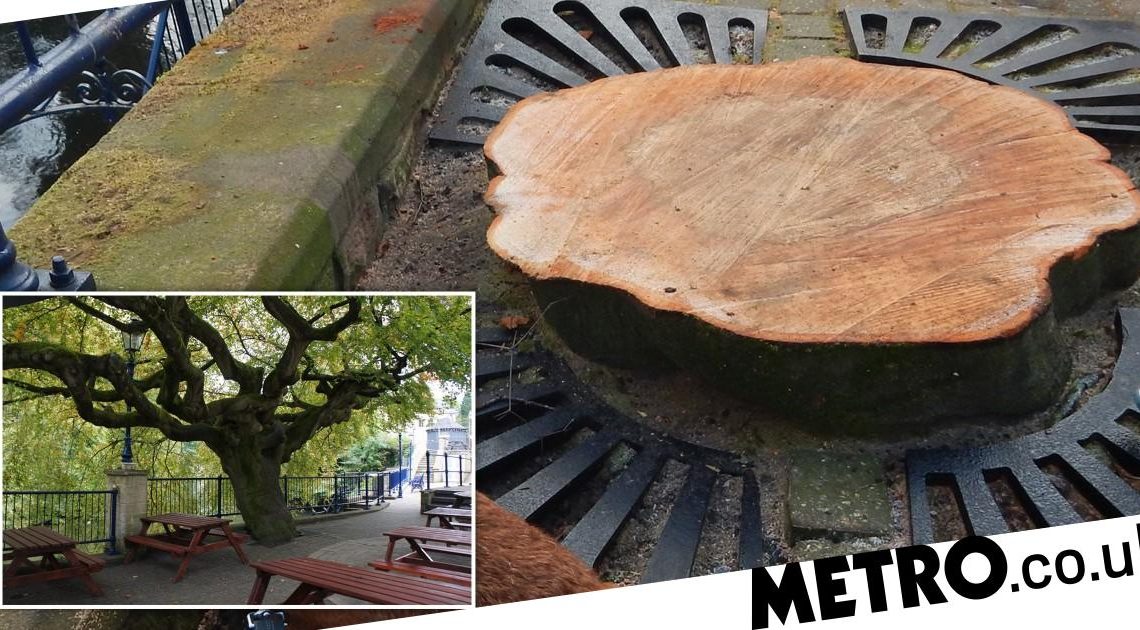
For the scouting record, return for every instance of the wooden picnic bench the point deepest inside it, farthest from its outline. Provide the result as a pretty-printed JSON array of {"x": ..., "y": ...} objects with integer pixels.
[
  {"x": 322, "y": 578},
  {"x": 447, "y": 517},
  {"x": 420, "y": 539},
  {"x": 185, "y": 536},
  {"x": 454, "y": 576},
  {"x": 24, "y": 543}
]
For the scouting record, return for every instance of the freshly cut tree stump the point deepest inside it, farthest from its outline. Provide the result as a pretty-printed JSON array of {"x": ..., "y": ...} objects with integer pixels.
[{"x": 842, "y": 240}]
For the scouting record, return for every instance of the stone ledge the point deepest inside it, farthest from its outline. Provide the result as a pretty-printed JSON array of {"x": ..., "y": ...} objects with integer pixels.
[{"x": 265, "y": 159}]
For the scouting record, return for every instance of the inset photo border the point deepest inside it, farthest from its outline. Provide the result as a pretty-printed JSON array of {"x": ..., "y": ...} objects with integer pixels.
[{"x": 223, "y": 450}]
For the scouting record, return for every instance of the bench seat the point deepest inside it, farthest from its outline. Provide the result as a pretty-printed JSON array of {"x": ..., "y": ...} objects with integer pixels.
[
  {"x": 424, "y": 571},
  {"x": 321, "y": 578},
  {"x": 459, "y": 551}
]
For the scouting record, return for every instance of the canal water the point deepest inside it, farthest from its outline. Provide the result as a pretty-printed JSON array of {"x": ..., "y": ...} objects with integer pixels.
[{"x": 34, "y": 154}]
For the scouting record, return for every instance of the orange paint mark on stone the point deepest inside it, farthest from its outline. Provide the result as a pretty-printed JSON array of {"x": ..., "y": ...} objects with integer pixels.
[{"x": 397, "y": 18}]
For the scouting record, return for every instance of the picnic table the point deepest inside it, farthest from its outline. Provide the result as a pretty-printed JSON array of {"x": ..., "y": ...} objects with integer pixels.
[
  {"x": 456, "y": 496},
  {"x": 24, "y": 543},
  {"x": 321, "y": 578},
  {"x": 185, "y": 536},
  {"x": 447, "y": 515},
  {"x": 421, "y": 538}
]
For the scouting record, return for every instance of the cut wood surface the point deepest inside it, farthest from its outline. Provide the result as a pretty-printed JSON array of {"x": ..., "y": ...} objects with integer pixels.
[
  {"x": 827, "y": 235},
  {"x": 821, "y": 200}
]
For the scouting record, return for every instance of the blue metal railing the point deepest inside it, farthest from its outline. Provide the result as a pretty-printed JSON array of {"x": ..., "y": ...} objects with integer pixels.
[
  {"x": 397, "y": 477},
  {"x": 82, "y": 57},
  {"x": 86, "y": 516}
]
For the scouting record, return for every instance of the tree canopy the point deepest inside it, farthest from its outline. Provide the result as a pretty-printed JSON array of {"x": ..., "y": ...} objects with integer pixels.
[{"x": 296, "y": 380}]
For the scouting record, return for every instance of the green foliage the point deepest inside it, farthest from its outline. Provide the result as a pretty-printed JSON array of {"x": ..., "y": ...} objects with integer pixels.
[
  {"x": 48, "y": 446},
  {"x": 377, "y": 452}
]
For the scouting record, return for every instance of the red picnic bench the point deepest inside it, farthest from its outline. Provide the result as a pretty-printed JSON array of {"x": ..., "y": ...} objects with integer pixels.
[
  {"x": 447, "y": 517},
  {"x": 24, "y": 543},
  {"x": 454, "y": 576},
  {"x": 322, "y": 578},
  {"x": 420, "y": 539},
  {"x": 185, "y": 536}
]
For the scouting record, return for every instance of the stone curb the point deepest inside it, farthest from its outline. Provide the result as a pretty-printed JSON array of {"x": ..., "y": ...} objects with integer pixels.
[{"x": 266, "y": 159}]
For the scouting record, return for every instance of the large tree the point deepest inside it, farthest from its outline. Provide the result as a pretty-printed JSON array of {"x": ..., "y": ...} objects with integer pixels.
[{"x": 252, "y": 379}]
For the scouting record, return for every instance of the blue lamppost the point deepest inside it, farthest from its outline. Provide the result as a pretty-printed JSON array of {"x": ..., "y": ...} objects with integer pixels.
[
  {"x": 400, "y": 461},
  {"x": 16, "y": 276},
  {"x": 132, "y": 343}
]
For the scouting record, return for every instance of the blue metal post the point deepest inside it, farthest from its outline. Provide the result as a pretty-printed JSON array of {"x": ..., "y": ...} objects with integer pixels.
[
  {"x": 400, "y": 461},
  {"x": 28, "y": 46},
  {"x": 14, "y": 275},
  {"x": 156, "y": 46}
]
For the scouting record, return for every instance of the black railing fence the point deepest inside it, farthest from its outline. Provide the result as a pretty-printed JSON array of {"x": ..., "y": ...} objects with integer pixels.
[
  {"x": 214, "y": 496},
  {"x": 86, "y": 516},
  {"x": 204, "y": 496},
  {"x": 446, "y": 469},
  {"x": 188, "y": 22}
]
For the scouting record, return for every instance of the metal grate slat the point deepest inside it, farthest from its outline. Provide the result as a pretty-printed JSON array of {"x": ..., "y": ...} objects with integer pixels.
[
  {"x": 493, "y": 44},
  {"x": 1047, "y": 502},
  {"x": 520, "y": 396},
  {"x": 509, "y": 443},
  {"x": 488, "y": 367},
  {"x": 752, "y": 544},
  {"x": 1030, "y": 59},
  {"x": 593, "y": 534},
  {"x": 1062, "y": 444},
  {"x": 533, "y": 494},
  {"x": 596, "y": 521},
  {"x": 677, "y": 549}
]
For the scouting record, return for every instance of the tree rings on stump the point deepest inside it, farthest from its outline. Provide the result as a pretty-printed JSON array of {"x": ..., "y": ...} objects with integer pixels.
[{"x": 840, "y": 240}]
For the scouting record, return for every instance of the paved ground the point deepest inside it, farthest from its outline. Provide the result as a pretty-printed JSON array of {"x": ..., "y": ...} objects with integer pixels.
[
  {"x": 354, "y": 538},
  {"x": 803, "y": 28}
]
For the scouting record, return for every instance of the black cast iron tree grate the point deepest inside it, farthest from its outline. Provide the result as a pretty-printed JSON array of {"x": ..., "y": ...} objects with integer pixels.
[
  {"x": 1085, "y": 467},
  {"x": 1089, "y": 67},
  {"x": 524, "y": 47},
  {"x": 517, "y": 416}
]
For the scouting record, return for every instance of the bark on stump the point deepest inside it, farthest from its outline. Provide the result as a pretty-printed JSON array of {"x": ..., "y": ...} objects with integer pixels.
[{"x": 840, "y": 240}]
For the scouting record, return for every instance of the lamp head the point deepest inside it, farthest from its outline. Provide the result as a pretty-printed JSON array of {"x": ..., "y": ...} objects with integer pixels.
[{"x": 133, "y": 336}]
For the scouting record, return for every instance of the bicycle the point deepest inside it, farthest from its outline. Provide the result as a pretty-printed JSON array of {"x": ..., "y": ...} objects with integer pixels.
[
  {"x": 325, "y": 504},
  {"x": 298, "y": 504}
]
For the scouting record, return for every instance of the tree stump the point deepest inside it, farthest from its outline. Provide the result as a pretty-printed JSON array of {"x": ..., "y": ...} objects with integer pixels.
[{"x": 841, "y": 240}]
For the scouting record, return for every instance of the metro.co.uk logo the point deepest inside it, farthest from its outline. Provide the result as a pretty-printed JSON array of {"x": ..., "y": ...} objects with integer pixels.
[{"x": 973, "y": 568}]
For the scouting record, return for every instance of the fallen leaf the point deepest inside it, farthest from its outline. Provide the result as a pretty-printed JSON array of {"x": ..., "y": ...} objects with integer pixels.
[{"x": 511, "y": 322}]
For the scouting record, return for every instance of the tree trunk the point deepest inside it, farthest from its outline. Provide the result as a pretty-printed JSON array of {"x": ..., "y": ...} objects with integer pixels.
[
  {"x": 256, "y": 478},
  {"x": 836, "y": 239}
]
